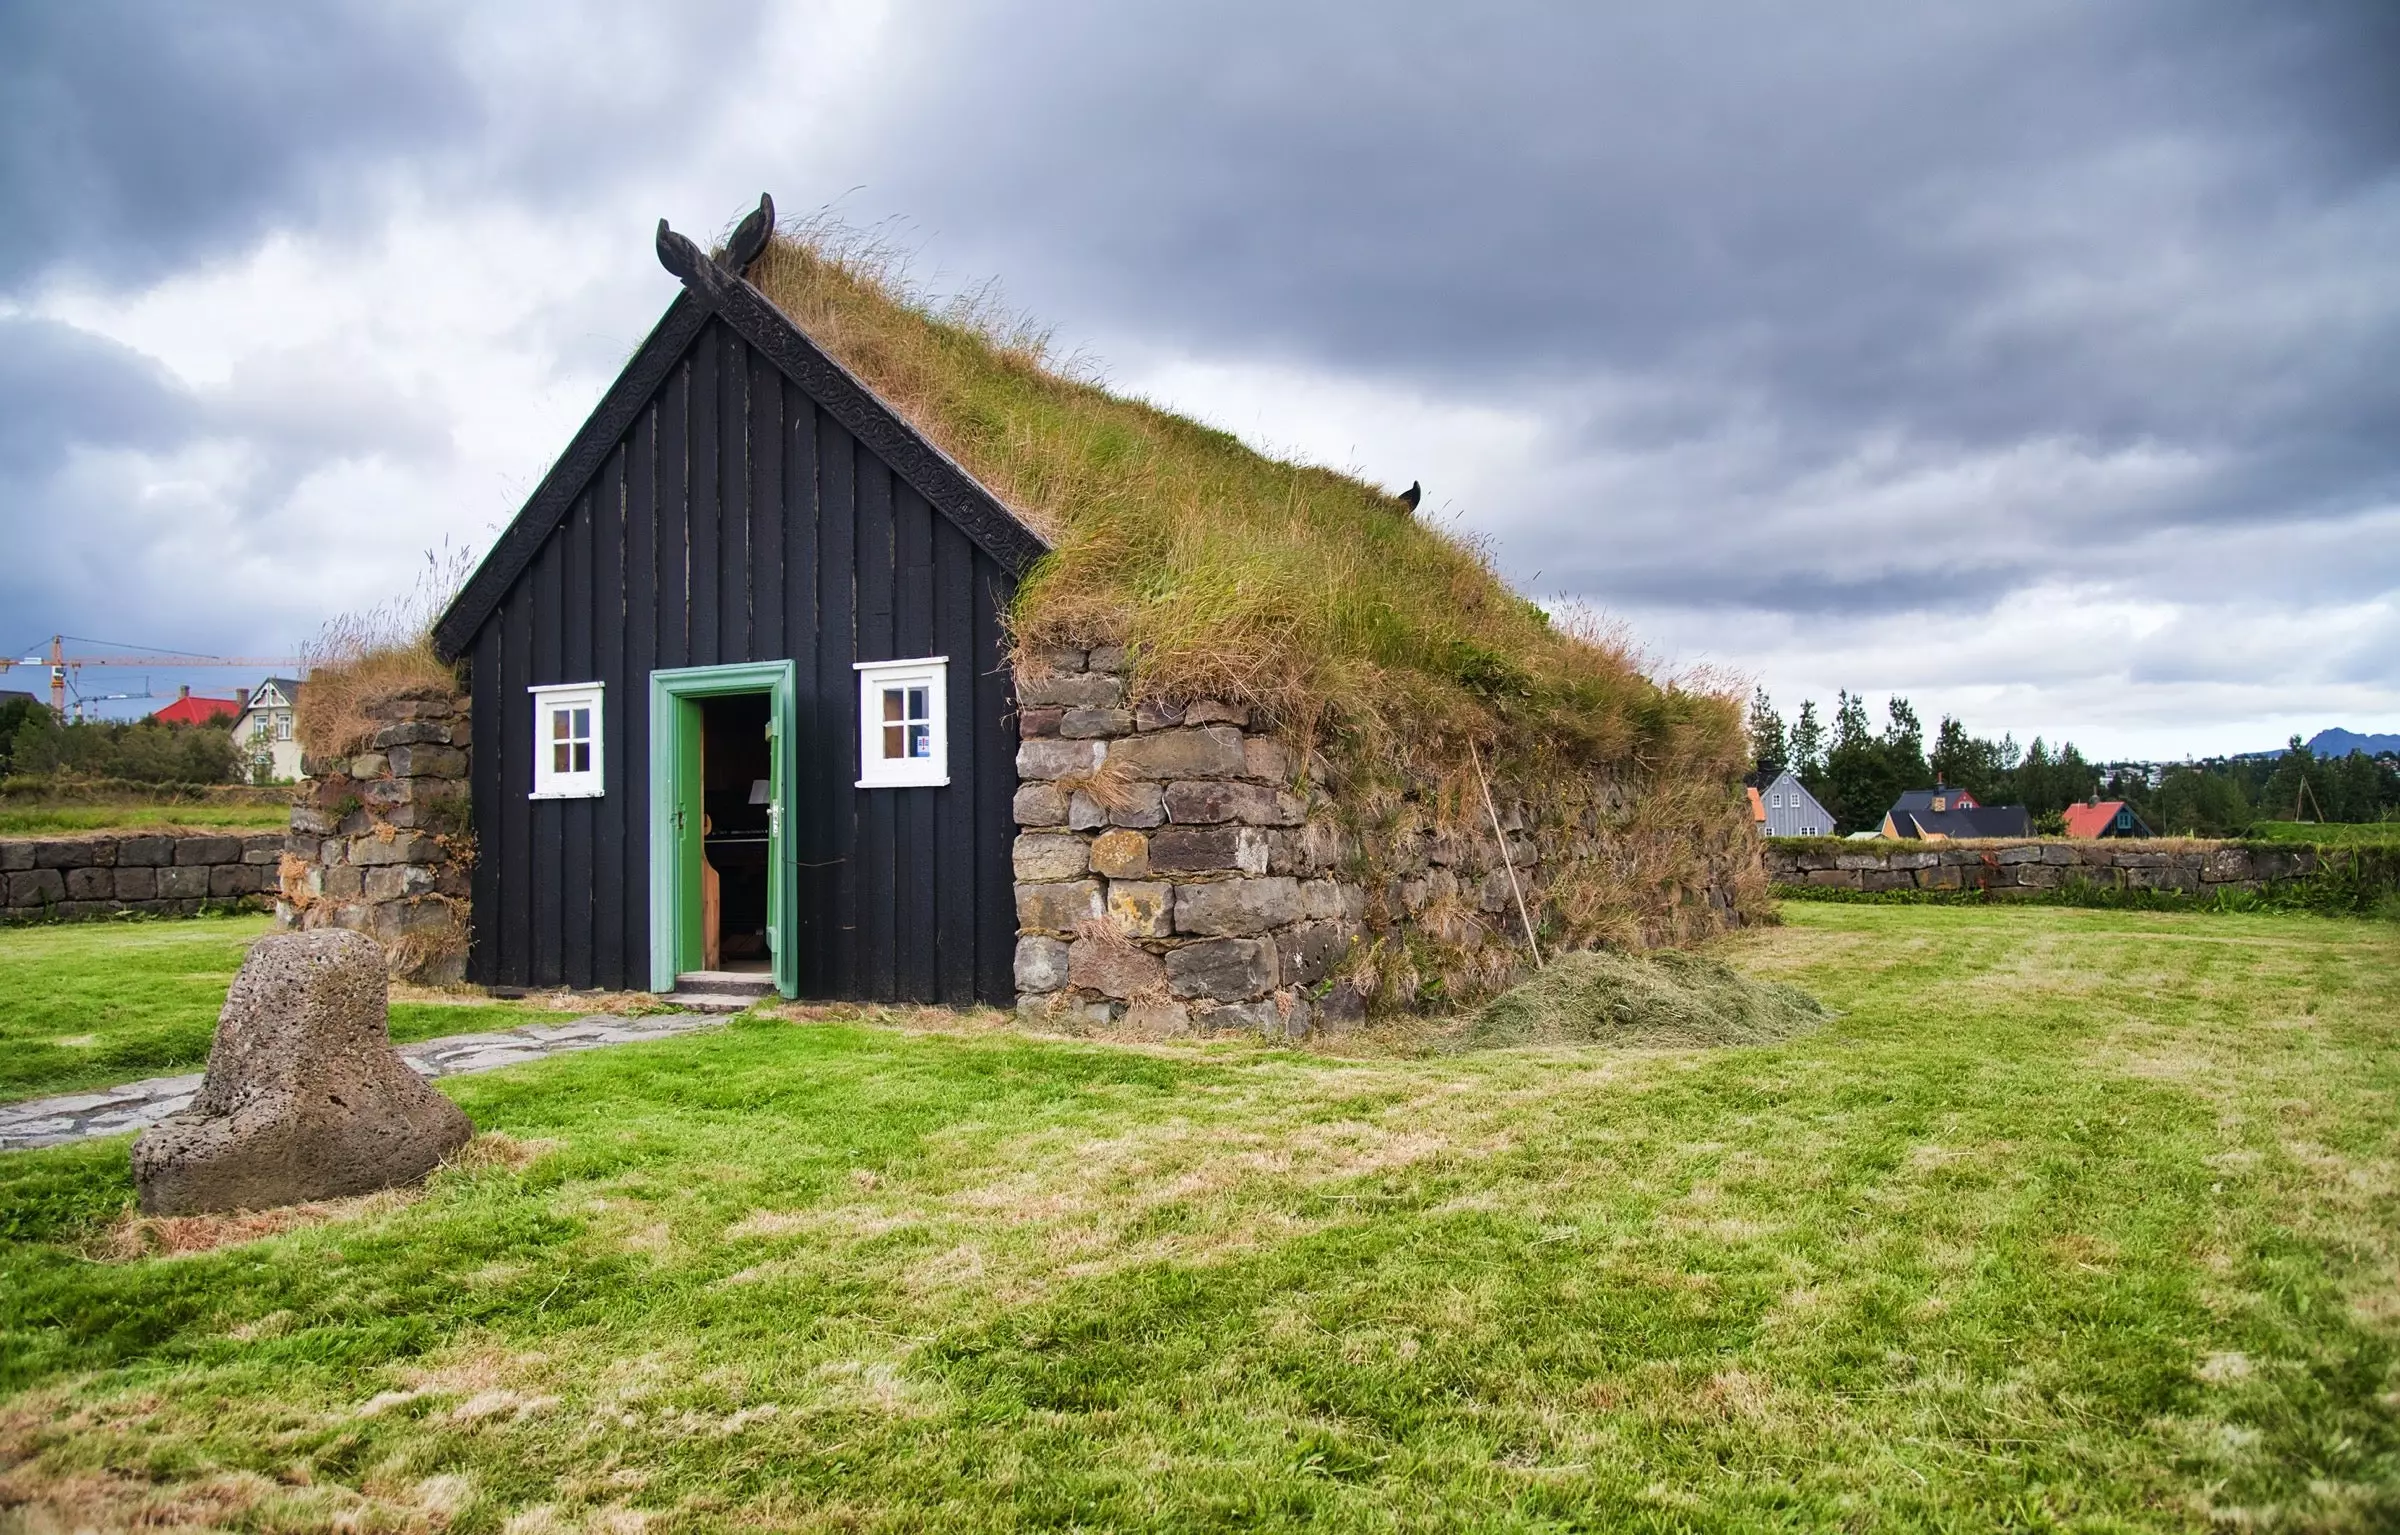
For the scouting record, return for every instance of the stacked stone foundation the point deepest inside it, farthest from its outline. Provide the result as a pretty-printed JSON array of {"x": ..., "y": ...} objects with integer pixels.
[
  {"x": 380, "y": 843},
  {"x": 1177, "y": 872},
  {"x": 165, "y": 875}
]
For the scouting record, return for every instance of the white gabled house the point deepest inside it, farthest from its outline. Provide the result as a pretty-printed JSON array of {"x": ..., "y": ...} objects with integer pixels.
[{"x": 263, "y": 733}]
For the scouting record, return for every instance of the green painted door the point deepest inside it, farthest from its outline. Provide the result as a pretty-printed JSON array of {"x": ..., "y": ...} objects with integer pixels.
[{"x": 690, "y": 815}]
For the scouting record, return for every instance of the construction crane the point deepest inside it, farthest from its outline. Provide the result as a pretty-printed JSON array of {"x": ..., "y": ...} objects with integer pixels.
[{"x": 59, "y": 661}]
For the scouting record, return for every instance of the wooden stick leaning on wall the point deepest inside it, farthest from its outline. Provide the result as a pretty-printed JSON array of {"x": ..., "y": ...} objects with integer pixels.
[{"x": 1506, "y": 862}]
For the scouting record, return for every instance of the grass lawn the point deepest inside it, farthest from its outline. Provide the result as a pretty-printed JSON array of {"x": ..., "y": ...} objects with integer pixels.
[
  {"x": 2074, "y": 1220},
  {"x": 90, "y": 1004},
  {"x": 76, "y": 820},
  {"x": 2330, "y": 833}
]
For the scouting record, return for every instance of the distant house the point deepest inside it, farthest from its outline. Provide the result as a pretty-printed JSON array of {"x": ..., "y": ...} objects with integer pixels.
[
  {"x": 1941, "y": 813},
  {"x": 2105, "y": 818},
  {"x": 199, "y": 709},
  {"x": 263, "y": 733},
  {"x": 1783, "y": 808}
]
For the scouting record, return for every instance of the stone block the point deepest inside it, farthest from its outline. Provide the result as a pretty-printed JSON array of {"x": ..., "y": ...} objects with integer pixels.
[
  {"x": 203, "y": 850},
  {"x": 400, "y": 847},
  {"x": 1095, "y": 724},
  {"x": 397, "y": 881},
  {"x": 1208, "y": 850},
  {"x": 1343, "y": 1006},
  {"x": 59, "y": 855},
  {"x": 37, "y": 887},
  {"x": 1060, "y": 658},
  {"x": 1112, "y": 967},
  {"x": 1032, "y": 723},
  {"x": 1039, "y": 804},
  {"x": 1058, "y": 907},
  {"x": 1939, "y": 877},
  {"x": 1844, "y": 878},
  {"x": 1237, "y": 908},
  {"x": 1253, "y": 804},
  {"x": 1212, "y": 751},
  {"x": 2018, "y": 852},
  {"x": 1085, "y": 812},
  {"x": 1053, "y": 758},
  {"x": 1107, "y": 658},
  {"x": 91, "y": 884},
  {"x": 1913, "y": 861},
  {"x": 1216, "y": 711},
  {"x": 15, "y": 857},
  {"x": 346, "y": 883},
  {"x": 2227, "y": 865},
  {"x": 183, "y": 881},
  {"x": 428, "y": 762},
  {"x": 1141, "y": 908},
  {"x": 1266, "y": 758},
  {"x": 1121, "y": 854},
  {"x": 1223, "y": 969},
  {"x": 1240, "y": 1018},
  {"x": 229, "y": 880},
  {"x": 304, "y": 1098},
  {"x": 1138, "y": 805},
  {"x": 408, "y": 733},
  {"x": 2058, "y": 852},
  {"x": 135, "y": 884},
  {"x": 1152, "y": 1019},
  {"x": 1073, "y": 690},
  {"x": 1858, "y": 863},
  {"x": 1050, "y": 855},
  {"x": 1157, "y": 714},
  {"x": 370, "y": 765},
  {"x": 1041, "y": 964},
  {"x": 1311, "y": 950}
]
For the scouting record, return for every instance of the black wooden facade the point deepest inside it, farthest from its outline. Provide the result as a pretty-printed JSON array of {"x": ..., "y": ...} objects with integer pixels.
[{"x": 739, "y": 497}]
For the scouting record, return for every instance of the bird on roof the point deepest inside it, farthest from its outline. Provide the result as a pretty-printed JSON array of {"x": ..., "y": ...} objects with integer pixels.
[{"x": 1411, "y": 496}]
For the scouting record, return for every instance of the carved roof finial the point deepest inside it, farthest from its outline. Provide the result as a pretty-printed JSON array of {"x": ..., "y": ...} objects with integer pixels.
[{"x": 750, "y": 236}]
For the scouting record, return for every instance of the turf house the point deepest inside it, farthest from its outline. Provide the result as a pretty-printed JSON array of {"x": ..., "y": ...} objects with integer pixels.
[{"x": 854, "y": 645}]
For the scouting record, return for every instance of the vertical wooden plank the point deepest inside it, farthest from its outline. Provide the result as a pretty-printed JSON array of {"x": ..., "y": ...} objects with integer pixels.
[
  {"x": 643, "y": 622},
  {"x": 837, "y": 701},
  {"x": 916, "y": 939},
  {"x": 575, "y": 815},
  {"x": 733, "y": 501},
  {"x": 767, "y": 555},
  {"x": 672, "y": 506},
  {"x": 879, "y": 901},
  {"x": 704, "y": 500},
  {"x": 812, "y": 840},
  {"x": 515, "y": 926},
  {"x": 953, "y": 870},
  {"x": 483, "y": 704},
  {"x": 995, "y": 789},
  {"x": 548, "y": 579},
  {"x": 608, "y": 664}
]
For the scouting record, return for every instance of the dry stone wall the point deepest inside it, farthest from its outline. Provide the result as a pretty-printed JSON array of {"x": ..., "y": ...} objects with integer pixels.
[
  {"x": 1175, "y": 872},
  {"x": 167, "y": 875},
  {"x": 381, "y": 843},
  {"x": 2194, "y": 867}
]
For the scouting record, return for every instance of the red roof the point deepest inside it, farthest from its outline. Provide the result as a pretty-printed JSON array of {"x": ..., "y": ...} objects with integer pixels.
[
  {"x": 2092, "y": 820},
  {"x": 193, "y": 709}
]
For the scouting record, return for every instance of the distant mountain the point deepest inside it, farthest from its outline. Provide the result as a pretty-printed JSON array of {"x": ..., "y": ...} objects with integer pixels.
[{"x": 2341, "y": 743}]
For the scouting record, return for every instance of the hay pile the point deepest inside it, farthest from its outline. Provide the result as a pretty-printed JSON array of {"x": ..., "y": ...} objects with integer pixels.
[{"x": 1667, "y": 998}]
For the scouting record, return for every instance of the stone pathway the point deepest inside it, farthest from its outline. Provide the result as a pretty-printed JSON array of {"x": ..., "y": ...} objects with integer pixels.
[{"x": 137, "y": 1105}]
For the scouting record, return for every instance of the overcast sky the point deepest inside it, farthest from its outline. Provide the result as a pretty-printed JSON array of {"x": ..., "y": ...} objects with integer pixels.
[{"x": 2040, "y": 362}]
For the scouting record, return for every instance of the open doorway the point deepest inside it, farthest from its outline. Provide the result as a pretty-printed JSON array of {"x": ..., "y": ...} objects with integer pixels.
[{"x": 736, "y": 776}]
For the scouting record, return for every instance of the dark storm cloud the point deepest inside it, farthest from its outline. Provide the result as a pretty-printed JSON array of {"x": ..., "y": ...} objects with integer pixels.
[
  {"x": 136, "y": 139},
  {"x": 63, "y": 389}
]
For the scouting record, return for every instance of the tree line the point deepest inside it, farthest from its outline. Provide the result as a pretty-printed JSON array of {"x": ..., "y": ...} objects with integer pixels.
[
  {"x": 34, "y": 744},
  {"x": 1856, "y": 771}
]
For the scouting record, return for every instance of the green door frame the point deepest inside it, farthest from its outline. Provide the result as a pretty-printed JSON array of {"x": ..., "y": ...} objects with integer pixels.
[{"x": 674, "y": 759}]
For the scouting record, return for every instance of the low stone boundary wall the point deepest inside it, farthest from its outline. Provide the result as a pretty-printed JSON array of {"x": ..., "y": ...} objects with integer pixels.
[
  {"x": 2193, "y": 867},
  {"x": 68, "y": 878}
]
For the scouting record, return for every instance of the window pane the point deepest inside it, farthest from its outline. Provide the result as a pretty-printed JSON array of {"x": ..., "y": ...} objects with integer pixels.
[
  {"x": 891, "y": 741},
  {"x": 583, "y": 724},
  {"x": 916, "y": 705},
  {"x": 558, "y": 724},
  {"x": 920, "y": 740},
  {"x": 892, "y": 706},
  {"x": 558, "y": 758},
  {"x": 583, "y": 756}
]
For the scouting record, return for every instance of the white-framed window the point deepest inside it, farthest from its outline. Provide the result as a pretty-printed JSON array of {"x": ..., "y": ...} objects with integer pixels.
[
  {"x": 1776, "y": 800},
  {"x": 283, "y": 726},
  {"x": 903, "y": 726},
  {"x": 567, "y": 740}
]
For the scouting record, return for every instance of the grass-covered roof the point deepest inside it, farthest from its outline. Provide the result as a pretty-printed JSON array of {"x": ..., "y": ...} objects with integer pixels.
[{"x": 1312, "y": 596}]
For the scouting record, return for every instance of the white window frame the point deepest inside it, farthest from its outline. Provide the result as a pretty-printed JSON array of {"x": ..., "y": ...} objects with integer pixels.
[
  {"x": 548, "y": 783},
  {"x": 875, "y": 770}
]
